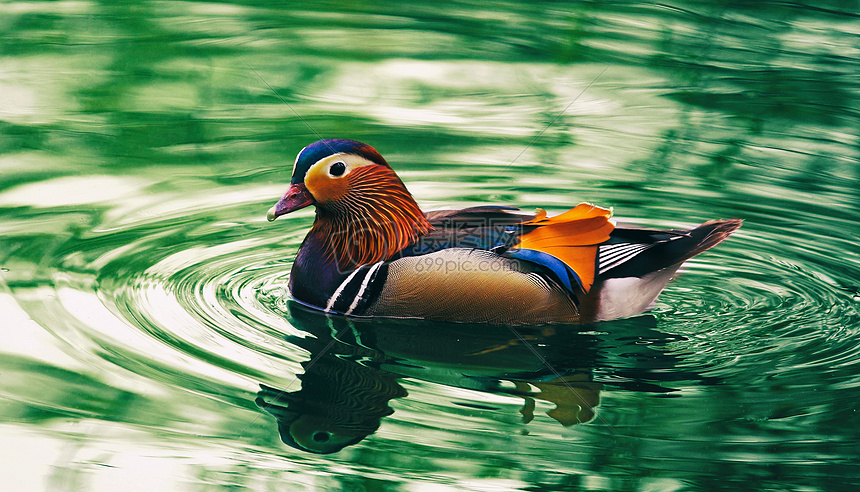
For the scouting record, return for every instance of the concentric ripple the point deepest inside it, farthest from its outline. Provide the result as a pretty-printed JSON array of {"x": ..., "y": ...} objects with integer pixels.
[
  {"x": 209, "y": 291},
  {"x": 172, "y": 291},
  {"x": 193, "y": 299},
  {"x": 143, "y": 296},
  {"x": 205, "y": 302},
  {"x": 752, "y": 315}
]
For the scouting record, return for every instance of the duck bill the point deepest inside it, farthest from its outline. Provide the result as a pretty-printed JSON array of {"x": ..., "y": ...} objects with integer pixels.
[{"x": 296, "y": 197}]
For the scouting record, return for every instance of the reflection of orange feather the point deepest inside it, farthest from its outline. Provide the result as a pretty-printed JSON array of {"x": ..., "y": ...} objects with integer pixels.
[{"x": 572, "y": 237}]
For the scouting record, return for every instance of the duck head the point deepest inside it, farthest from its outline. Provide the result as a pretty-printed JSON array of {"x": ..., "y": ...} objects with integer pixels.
[{"x": 364, "y": 213}]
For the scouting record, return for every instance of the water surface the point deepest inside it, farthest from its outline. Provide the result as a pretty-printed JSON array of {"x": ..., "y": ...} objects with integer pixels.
[{"x": 149, "y": 341}]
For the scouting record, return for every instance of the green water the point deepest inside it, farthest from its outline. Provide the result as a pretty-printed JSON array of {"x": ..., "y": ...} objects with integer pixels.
[{"x": 143, "y": 295}]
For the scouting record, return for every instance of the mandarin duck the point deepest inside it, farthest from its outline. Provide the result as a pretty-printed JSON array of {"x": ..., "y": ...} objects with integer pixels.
[{"x": 373, "y": 252}]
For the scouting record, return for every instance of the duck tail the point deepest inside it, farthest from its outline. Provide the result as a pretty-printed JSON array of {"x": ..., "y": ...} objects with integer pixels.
[
  {"x": 638, "y": 252},
  {"x": 635, "y": 265},
  {"x": 710, "y": 234}
]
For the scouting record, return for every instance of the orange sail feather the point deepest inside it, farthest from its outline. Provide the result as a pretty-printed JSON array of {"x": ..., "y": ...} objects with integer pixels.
[{"x": 571, "y": 237}]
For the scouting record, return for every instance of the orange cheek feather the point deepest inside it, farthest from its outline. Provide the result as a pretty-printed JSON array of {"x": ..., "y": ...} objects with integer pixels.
[{"x": 323, "y": 187}]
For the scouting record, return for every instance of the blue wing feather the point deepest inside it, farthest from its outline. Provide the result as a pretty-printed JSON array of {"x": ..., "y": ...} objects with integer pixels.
[{"x": 562, "y": 272}]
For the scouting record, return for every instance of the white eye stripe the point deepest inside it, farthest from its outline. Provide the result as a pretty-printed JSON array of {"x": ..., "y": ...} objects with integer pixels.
[
  {"x": 325, "y": 164},
  {"x": 296, "y": 162}
]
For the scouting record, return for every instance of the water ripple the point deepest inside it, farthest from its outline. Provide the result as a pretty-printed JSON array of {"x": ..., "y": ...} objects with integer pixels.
[
  {"x": 195, "y": 300},
  {"x": 741, "y": 305}
]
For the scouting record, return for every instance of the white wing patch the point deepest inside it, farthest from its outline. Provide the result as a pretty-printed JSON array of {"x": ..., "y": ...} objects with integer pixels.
[{"x": 612, "y": 255}]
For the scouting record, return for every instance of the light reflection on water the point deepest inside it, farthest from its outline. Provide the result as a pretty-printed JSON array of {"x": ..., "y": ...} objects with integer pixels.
[{"x": 143, "y": 292}]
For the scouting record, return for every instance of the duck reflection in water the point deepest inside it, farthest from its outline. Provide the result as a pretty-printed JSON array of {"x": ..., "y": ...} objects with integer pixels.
[{"x": 355, "y": 364}]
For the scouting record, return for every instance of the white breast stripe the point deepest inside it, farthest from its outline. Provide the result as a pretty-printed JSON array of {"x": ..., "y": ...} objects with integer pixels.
[
  {"x": 366, "y": 281},
  {"x": 337, "y": 293}
]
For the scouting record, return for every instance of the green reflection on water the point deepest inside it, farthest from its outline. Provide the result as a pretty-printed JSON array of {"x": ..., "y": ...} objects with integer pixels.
[{"x": 141, "y": 143}]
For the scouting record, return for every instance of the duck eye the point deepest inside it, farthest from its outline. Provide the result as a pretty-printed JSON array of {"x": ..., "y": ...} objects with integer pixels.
[{"x": 337, "y": 169}]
